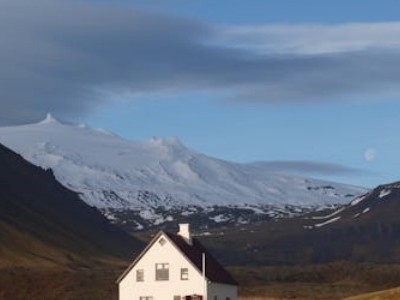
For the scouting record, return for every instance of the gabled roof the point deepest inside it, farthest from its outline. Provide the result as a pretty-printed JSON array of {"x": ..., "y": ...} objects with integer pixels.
[{"x": 215, "y": 272}]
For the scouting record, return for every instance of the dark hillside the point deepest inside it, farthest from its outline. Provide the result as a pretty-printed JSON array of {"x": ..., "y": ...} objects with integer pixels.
[
  {"x": 41, "y": 219},
  {"x": 366, "y": 230}
]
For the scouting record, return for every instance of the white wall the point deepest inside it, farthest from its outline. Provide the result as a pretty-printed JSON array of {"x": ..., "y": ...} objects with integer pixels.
[
  {"x": 130, "y": 289},
  {"x": 222, "y": 291}
]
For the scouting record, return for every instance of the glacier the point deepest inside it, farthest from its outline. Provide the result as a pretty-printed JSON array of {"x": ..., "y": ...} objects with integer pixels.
[{"x": 109, "y": 171}]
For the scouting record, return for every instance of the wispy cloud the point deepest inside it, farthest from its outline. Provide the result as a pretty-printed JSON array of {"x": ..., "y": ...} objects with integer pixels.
[
  {"x": 313, "y": 38},
  {"x": 69, "y": 57},
  {"x": 310, "y": 168}
]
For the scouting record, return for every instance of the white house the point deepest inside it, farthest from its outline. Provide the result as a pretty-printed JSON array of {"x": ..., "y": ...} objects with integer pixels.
[{"x": 171, "y": 267}]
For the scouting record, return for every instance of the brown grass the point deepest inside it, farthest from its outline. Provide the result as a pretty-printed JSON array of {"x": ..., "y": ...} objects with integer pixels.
[
  {"x": 20, "y": 249},
  {"x": 22, "y": 284},
  {"x": 392, "y": 294},
  {"x": 256, "y": 298},
  {"x": 263, "y": 283},
  {"x": 319, "y": 282}
]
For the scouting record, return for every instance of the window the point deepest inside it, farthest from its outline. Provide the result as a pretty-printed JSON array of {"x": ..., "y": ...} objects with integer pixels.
[
  {"x": 162, "y": 241},
  {"x": 177, "y": 297},
  {"x": 184, "y": 273},
  {"x": 140, "y": 275},
  {"x": 145, "y": 298},
  {"x": 162, "y": 272}
]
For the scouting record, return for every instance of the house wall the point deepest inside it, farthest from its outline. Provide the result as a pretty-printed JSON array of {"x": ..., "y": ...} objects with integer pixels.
[
  {"x": 222, "y": 291},
  {"x": 130, "y": 289}
]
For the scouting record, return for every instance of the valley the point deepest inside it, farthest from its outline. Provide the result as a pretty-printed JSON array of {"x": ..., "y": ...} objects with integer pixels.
[
  {"x": 58, "y": 247},
  {"x": 199, "y": 150}
]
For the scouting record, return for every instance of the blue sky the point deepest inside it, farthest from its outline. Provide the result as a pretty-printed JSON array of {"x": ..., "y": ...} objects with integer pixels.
[
  {"x": 301, "y": 80},
  {"x": 274, "y": 11}
]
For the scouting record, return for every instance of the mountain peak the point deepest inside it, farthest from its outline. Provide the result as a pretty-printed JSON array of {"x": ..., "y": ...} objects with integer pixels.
[{"x": 49, "y": 120}]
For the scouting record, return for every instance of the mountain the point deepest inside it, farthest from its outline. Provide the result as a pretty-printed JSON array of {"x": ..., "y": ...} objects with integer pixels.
[
  {"x": 366, "y": 230},
  {"x": 43, "y": 223},
  {"x": 120, "y": 176},
  {"x": 380, "y": 207}
]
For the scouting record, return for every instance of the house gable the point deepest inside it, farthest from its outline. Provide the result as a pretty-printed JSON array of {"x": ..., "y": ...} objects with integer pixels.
[
  {"x": 192, "y": 253},
  {"x": 160, "y": 235},
  {"x": 161, "y": 271}
]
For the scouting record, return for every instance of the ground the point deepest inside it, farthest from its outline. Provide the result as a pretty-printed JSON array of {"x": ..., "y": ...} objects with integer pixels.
[{"x": 329, "y": 282}]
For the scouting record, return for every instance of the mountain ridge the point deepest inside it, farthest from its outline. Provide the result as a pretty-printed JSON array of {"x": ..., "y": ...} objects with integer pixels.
[
  {"x": 113, "y": 174},
  {"x": 366, "y": 230}
]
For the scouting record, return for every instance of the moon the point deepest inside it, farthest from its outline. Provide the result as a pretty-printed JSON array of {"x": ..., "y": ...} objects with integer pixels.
[{"x": 370, "y": 154}]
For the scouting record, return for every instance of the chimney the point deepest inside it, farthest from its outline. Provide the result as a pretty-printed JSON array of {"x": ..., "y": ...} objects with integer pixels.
[{"x": 184, "y": 232}]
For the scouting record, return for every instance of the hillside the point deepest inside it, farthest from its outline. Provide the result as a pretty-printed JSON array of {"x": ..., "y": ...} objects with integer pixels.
[
  {"x": 391, "y": 294},
  {"x": 140, "y": 183},
  {"x": 366, "y": 230},
  {"x": 42, "y": 223}
]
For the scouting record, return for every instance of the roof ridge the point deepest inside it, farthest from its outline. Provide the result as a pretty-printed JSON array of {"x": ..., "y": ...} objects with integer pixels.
[{"x": 215, "y": 272}]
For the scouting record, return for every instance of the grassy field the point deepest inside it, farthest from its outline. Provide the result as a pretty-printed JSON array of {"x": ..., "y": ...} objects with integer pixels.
[
  {"x": 329, "y": 282},
  {"x": 54, "y": 284},
  {"x": 391, "y": 294}
]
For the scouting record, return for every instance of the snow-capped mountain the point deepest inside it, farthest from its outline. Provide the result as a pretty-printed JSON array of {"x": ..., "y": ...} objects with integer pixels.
[{"x": 113, "y": 173}]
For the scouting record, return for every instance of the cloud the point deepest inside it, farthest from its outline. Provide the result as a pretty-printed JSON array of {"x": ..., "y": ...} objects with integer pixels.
[
  {"x": 309, "y": 167},
  {"x": 65, "y": 57},
  {"x": 313, "y": 38},
  {"x": 69, "y": 57}
]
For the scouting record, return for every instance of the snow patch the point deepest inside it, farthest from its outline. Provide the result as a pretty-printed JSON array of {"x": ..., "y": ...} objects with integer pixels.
[
  {"x": 327, "y": 222},
  {"x": 206, "y": 233},
  {"x": 220, "y": 218},
  {"x": 358, "y": 200},
  {"x": 149, "y": 214},
  {"x": 363, "y": 212},
  {"x": 384, "y": 193},
  {"x": 139, "y": 226},
  {"x": 328, "y": 216},
  {"x": 366, "y": 210}
]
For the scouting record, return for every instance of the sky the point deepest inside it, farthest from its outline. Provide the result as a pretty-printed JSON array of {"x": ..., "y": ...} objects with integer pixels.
[{"x": 310, "y": 86}]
